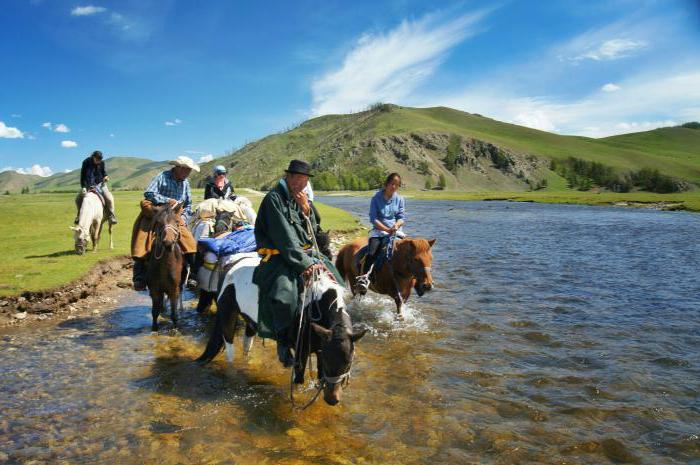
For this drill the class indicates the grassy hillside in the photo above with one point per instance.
(12, 181)
(124, 173)
(356, 142)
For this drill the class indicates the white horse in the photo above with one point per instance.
(90, 223)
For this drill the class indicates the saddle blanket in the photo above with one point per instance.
(241, 277)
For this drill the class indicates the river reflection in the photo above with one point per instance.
(556, 334)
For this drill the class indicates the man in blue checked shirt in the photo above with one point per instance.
(170, 186)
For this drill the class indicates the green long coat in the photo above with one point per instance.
(280, 225)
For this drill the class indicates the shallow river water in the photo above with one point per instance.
(555, 334)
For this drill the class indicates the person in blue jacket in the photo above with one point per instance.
(387, 214)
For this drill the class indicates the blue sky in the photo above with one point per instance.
(160, 78)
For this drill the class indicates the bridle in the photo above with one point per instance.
(160, 239)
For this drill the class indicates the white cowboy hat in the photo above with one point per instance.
(186, 162)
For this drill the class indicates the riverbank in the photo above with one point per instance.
(97, 290)
(37, 247)
(689, 201)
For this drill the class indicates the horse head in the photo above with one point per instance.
(418, 263)
(336, 337)
(166, 224)
(80, 236)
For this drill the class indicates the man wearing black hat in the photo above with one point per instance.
(285, 242)
(94, 176)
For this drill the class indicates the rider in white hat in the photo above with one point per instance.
(170, 186)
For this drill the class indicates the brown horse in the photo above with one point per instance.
(408, 268)
(166, 263)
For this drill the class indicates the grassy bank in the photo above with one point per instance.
(686, 200)
(37, 244)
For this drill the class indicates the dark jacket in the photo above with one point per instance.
(213, 192)
(91, 174)
(281, 226)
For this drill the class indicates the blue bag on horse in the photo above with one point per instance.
(239, 241)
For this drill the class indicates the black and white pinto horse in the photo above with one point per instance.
(326, 331)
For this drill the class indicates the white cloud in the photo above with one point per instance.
(47, 125)
(642, 103)
(175, 122)
(111, 136)
(35, 169)
(7, 132)
(68, 144)
(536, 119)
(610, 87)
(206, 158)
(61, 128)
(387, 67)
(612, 49)
(87, 10)
(16, 115)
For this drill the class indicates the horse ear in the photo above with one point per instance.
(177, 208)
(357, 334)
(431, 242)
(74, 228)
(322, 332)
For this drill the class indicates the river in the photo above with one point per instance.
(555, 334)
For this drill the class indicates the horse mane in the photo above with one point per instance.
(324, 283)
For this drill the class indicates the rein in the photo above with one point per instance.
(345, 377)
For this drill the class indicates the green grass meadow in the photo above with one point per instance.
(37, 247)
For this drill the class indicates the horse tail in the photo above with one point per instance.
(340, 263)
(226, 311)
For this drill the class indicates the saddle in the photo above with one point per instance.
(95, 190)
(383, 255)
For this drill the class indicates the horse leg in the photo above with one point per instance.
(157, 308)
(174, 297)
(111, 243)
(302, 358)
(248, 338)
(399, 304)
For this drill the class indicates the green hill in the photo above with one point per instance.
(470, 151)
(12, 181)
(124, 173)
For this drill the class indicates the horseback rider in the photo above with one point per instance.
(284, 232)
(94, 177)
(219, 187)
(387, 216)
(168, 187)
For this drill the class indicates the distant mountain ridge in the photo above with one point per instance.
(427, 146)
(124, 173)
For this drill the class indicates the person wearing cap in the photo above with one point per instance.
(283, 232)
(93, 177)
(168, 187)
(218, 187)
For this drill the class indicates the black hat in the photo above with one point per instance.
(299, 167)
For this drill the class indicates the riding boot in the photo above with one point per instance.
(139, 277)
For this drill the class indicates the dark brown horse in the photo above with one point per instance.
(166, 263)
(409, 267)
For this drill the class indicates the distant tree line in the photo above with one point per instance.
(362, 180)
(584, 175)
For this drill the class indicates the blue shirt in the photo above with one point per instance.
(386, 211)
(164, 187)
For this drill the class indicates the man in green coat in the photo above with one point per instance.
(283, 232)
